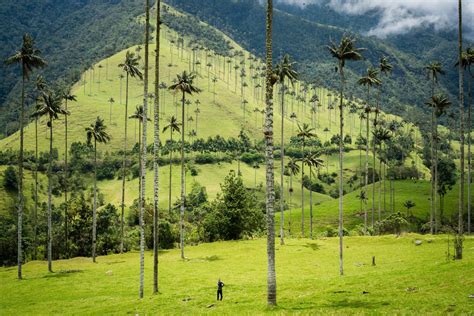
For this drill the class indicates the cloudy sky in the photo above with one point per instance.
(400, 16)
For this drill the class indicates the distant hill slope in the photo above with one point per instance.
(72, 34)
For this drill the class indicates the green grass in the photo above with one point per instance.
(407, 279)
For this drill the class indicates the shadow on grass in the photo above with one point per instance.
(313, 246)
(62, 273)
(115, 262)
(208, 258)
(355, 303)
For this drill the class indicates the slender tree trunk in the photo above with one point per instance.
(124, 167)
(461, 131)
(66, 179)
(94, 209)
(282, 166)
(183, 183)
(156, 150)
(341, 169)
(432, 167)
(20, 179)
(270, 189)
(143, 150)
(469, 140)
(171, 170)
(367, 128)
(35, 229)
(50, 167)
(302, 189)
(310, 204)
(290, 204)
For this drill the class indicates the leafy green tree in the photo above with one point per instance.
(344, 52)
(50, 106)
(28, 57)
(285, 72)
(409, 205)
(10, 179)
(131, 67)
(183, 85)
(234, 214)
(312, 160)
(96, 132)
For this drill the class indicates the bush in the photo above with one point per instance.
(395, 223)
(10, 179)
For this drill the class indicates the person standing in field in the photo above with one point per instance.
(220, 285)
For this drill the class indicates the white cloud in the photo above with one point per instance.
(401, 16)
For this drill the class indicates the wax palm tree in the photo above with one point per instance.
(284, 71)
(41, 86)
(369, 80)
(156, 148)
(111, 102)
(385, 68)
(293, 169)
(268, 133)
(173, 126)
(197, 112)
(28, 57)
(184, 85)
(312, 160)
(380, 135)
(458, 252)
(140, 116)
(466, 63)
(434, 69)
(345, 51)
(131, 68)
(439, 104)
(50, 106)
(66, 96)
(143, 149)
(305, 133)
(96, 132)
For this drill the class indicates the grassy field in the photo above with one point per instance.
(407, 279)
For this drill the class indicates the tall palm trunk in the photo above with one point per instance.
(433, 162)
(50, 167)
(290, 202)
(310, 204)
(302, 189)
(461, 132)
(66, 213)
(183, 183)
(124, 166)
(469, 140)
(270, 189)
(367, 128)
(282, 166)
(143, 150)
(20, 178)
(156, 151)
(171, 170)
(341, 165)
(94, 207)
(35, 228)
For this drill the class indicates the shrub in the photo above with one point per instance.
(10, 179)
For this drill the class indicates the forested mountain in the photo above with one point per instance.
(304, 34)
(72, 35)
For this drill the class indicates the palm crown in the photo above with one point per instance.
(345, 50)
(173, 125)
(28, 56)
(50, 105)
(97, 131)
(184, 83)
(130, 66)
